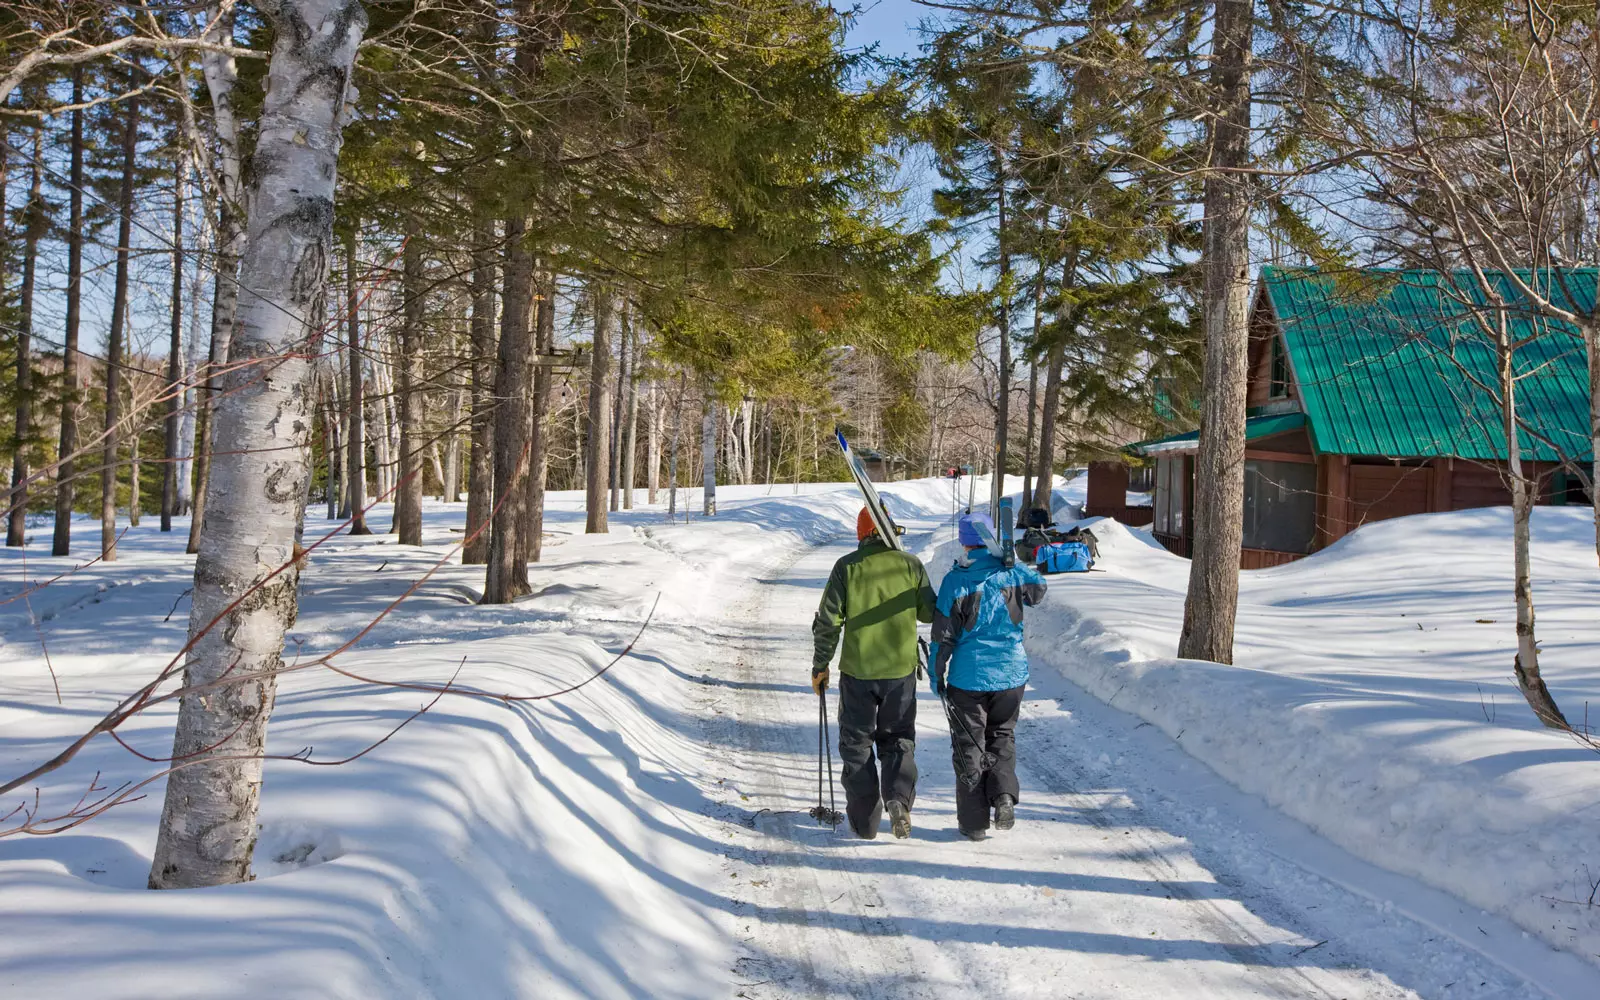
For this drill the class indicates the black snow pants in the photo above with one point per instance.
(881, 714)
(983, 721)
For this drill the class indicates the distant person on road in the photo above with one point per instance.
(979, 666)
(876, 595)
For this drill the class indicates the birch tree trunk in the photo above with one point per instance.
(407, 375)
(506, 577)
(672, 463)
(450, 491)
(116, 336)
(480, 469)
(194, 358)
(382, 452)
(222, 78)
(355, 443)
(619, 403)
(17, 523)
(544, 341)
(1213, 598)
(172, 450)
(652, 463)
(330, 445)
(598, 449)
(708, 456)
(1002, 415)
(66, 489)
(257, 497)
(630, 415)
(1028, 463)
(1591, 341)
(1523, 494)
(1044, 470)
(135, 498)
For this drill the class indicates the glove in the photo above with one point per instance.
(819, 679)
(936, 678)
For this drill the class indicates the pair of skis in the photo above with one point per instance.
(875, 509)
(1003, 548)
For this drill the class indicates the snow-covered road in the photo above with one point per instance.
(1092, 895)
(646, 836)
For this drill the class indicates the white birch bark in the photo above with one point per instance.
(257, 490)
(221, 74)
(708, 456)
(598, 448)
(652, 467)
(630, 417)
(1523, 495)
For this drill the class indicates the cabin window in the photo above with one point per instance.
(1279, 388)
(1280, 505)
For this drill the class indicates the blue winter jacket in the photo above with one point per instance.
(977, 624)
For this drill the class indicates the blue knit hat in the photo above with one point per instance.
(967, 528)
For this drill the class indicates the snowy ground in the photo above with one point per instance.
(647, 836)
(1373, 699)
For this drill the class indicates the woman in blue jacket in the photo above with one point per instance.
(980, 667)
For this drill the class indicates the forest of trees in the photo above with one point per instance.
(264, 261)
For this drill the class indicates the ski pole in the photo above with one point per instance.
(824, 814)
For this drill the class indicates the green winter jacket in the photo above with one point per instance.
(877, 595)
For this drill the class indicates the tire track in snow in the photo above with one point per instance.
(815, 946)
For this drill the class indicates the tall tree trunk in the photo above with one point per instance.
(652, 451)
(480, 471)
(116, 336)
(17, 523)
(539, 445)
(1591, 341)
(356, 418)
(598, 450)
(246, 580)
(135, 496)
(455, 406)
(193, 360)
(383, 450)
(172, 449)
(630, 411)
(1213, 598)
(1524, 492)
(708, 456)
(1044, 470)
(71, 390)
(506, 578)
(408, 375)
(1002, 416)
(222, 77)
(330, 447)
(1027, 448)
(672, 463)
(619, 404)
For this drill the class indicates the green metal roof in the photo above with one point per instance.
(1254, 428)
(1385, 363)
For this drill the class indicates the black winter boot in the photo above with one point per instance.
(1005, 812)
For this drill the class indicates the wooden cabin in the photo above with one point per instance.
(1367, 401)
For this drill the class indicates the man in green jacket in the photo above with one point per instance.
(877, 595)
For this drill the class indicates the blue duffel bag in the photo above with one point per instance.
(1064, 557)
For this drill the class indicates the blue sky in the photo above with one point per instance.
(890, 23)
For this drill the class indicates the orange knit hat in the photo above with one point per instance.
(864, 525)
